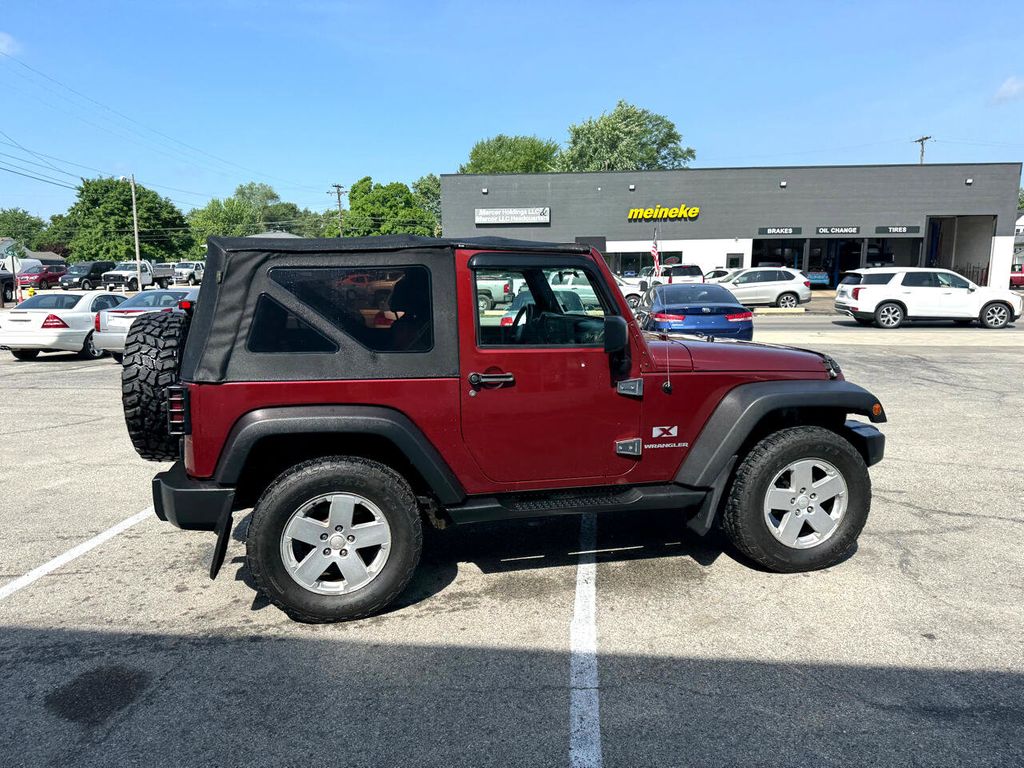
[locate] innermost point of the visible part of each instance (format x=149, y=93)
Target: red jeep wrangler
x=286, y=392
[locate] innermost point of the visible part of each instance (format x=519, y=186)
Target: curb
x=779, y=311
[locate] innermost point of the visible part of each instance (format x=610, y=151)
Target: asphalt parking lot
x=908, y=653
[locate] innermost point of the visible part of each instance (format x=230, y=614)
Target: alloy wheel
x=890, y=316
x=336, y=543
x=805, y=502
x=788, y=301
x=996, y=316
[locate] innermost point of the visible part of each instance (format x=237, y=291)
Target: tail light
x=96, y=321
x=507, y=288
x=507, y=321
x=177, y=411
x=666, y=316
x=807, y=283
x=856, y=292
x=52, y=321
x=739, y=317
x=185, y=305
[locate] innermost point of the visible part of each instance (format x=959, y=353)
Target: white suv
x=887, y=296
x=776, y=286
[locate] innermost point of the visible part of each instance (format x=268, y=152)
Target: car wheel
x=889, y=315
x=89, y=351
x=118, y=357
x=788, y=301
x=43, y=285
x=334, y=539
x=995, y=315
x=799, y=500
x=25, y=354
x=8, y=293
x=191, y=279
x=86, y=285
x=484, y=303
x=133, y=285
x=633, y=301
x=152, y=356
x=63, y=286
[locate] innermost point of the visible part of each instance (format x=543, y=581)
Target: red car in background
x=42, y=277
x=1017, y=276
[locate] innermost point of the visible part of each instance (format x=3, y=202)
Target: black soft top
x=236, y=274
x=383, y=243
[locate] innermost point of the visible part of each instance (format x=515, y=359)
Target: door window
x=949, y=280
x=561, y=307
x=920, y=280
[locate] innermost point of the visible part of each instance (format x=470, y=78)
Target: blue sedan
x=702, y=309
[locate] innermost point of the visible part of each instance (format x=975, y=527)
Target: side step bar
x=511, y=506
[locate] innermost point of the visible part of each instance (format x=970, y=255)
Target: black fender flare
x=342, y=420
x=744, y=406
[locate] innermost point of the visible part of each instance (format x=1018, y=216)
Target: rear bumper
x=109, y=341
x=866, y=439
x=67, y=341
x=195, y=505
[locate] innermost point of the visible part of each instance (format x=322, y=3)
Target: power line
x=37, y=178
x=921, y=141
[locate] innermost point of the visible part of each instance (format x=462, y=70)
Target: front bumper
x=195, y=505
x=65, y=341
x=109, y=341
x=866, y=439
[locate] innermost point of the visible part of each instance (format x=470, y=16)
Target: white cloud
x=1012, y=88
x=8, y=44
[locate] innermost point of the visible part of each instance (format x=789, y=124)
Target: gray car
x=112, y=325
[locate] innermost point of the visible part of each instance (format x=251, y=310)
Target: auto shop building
x=823, y=220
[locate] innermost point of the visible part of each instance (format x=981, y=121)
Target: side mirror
x=616, y=334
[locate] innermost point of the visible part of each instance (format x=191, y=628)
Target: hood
x=691, y=353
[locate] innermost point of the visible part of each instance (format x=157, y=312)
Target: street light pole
x=138, y=254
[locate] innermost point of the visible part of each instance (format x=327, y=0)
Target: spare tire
x=152, y=356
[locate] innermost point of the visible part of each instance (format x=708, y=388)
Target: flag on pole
x=655, y=255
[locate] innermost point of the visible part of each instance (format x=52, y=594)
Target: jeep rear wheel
x=334, y=539
x=152, y=356
x=799, y=500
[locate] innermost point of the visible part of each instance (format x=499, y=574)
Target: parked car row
x=91, y=323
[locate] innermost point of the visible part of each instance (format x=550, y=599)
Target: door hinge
x=632, y=447
x=630, y=387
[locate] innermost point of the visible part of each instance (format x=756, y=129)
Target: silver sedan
x=112, y=326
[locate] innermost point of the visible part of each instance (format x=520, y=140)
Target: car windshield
x=51, y=301
x=78, y=269
x=732, y=277
x=154, y=299
x=31, y=270
x=125, y=265
x=701, y=293
x=183, y=265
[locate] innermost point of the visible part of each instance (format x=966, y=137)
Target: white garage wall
x=707, y=254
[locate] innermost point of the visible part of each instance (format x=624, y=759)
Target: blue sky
x=306, y=93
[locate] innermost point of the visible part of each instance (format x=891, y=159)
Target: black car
x=85, y=275
x=7, y=285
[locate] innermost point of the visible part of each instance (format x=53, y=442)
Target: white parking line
x=37, y=573
x=584, y=709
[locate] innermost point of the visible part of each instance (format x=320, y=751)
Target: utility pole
x=135, y=219
x=339, y=190
x=921, y=141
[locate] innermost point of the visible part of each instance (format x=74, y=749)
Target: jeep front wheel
x=334, y=539
x=799, y=500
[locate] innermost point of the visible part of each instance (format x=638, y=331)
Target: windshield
x=154, y=299
x=51, y=301
x=693, y=294
x=31, y=270
x=78, y=269
x=183, y=265
x=733, y=276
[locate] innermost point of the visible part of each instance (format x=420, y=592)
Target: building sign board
x=779, y=230
x=513, y=216
x=681, y=212
x=898, y=229
x=838, y=230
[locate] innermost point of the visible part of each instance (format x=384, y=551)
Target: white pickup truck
x=124, y=275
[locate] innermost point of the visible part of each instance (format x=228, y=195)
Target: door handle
x=491, y=379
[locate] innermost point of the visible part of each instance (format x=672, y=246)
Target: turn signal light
x=739, y=317
x=665, y=316
x=52, y=321
x=876, y=409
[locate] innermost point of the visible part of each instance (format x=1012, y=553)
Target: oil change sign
x=838, y=230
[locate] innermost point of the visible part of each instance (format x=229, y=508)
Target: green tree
x=57, y=236
x=256, y=194
x=230, y=217
x=385, y=209
x=511, y=154
x=22, y=226
x=102, y=222
x=426, y=191
x=626, y=139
